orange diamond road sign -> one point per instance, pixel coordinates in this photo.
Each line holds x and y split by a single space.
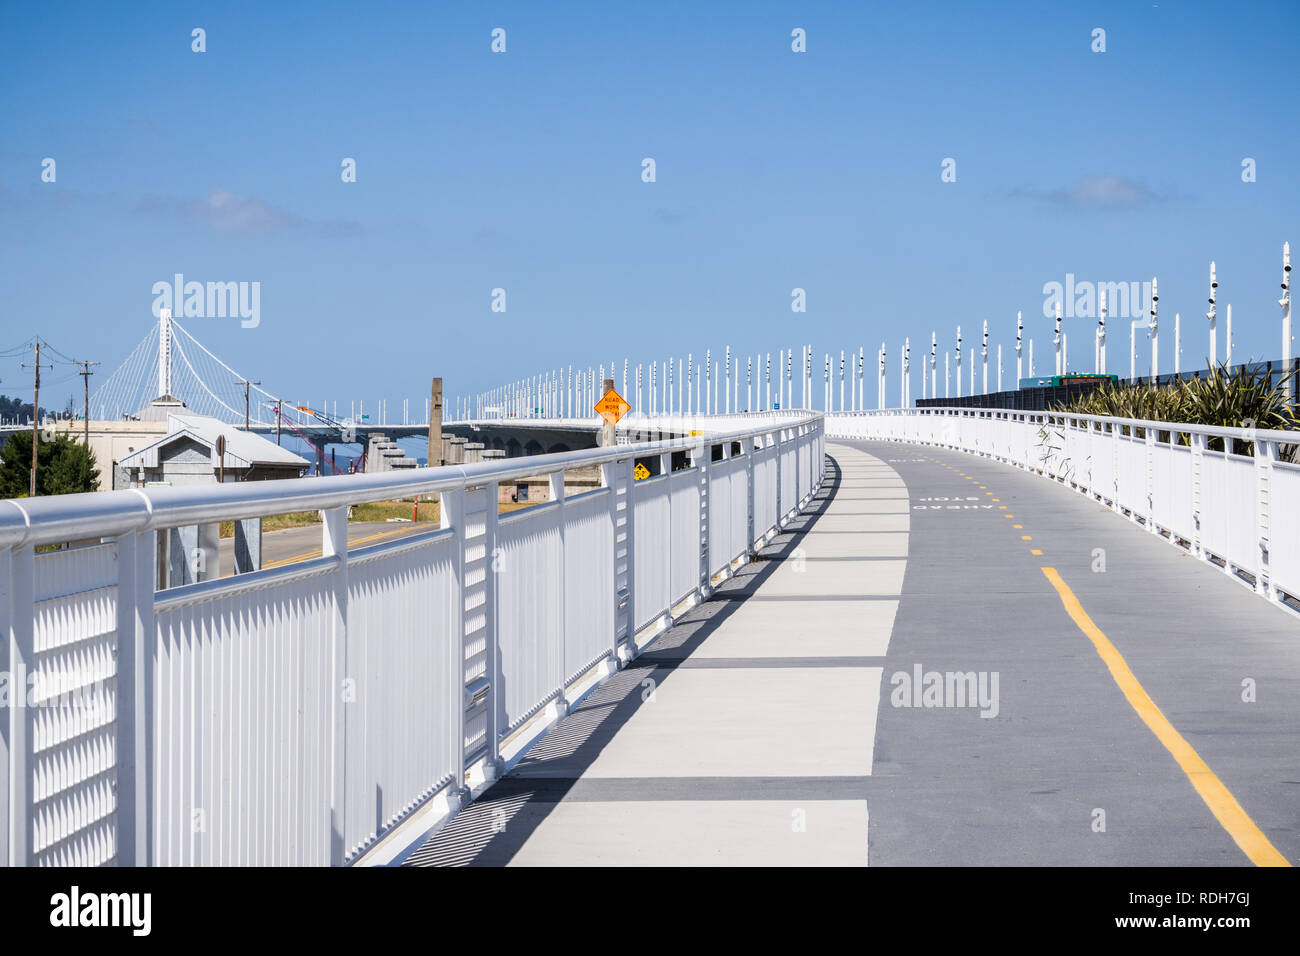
612 407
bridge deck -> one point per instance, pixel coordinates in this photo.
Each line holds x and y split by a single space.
777 713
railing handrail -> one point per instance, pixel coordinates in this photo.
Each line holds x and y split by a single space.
58 518
1212 431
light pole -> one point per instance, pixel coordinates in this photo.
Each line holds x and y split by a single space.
862 378
1020 359
1100 364
907 371
1155 334
841 380
1285 303
880 381
690 377
728 379
1056 338
1212 315
984 360
934 355
959 361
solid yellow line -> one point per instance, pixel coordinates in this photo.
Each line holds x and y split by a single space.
1217 797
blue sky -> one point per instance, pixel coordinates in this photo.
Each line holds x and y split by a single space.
775 170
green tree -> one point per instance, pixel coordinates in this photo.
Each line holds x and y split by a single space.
63 466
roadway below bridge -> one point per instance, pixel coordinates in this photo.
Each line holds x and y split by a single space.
943 661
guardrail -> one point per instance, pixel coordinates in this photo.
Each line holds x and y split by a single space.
1226 495
340 707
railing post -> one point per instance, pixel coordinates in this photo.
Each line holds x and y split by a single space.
20 637
666 468
555 484
776 459
1265 456
6 751
1150 479
1198 459
496 700
334 542
1115 433
136 643
616 476
706 506
751 531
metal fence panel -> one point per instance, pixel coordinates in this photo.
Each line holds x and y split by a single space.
588 581
242 713
1284 527
652 543
71 707
684 497
400 634
530 609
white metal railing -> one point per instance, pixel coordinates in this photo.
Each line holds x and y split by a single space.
1192 484
307 714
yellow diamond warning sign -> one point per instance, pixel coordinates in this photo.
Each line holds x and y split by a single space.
640 472
612 407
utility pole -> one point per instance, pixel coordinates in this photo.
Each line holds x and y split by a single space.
246 385
36 414
85 374
279 418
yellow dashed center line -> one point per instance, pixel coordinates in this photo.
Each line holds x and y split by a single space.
1025 537
306 555
1035 551
1230 814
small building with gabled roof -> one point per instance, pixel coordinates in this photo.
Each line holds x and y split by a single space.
189 454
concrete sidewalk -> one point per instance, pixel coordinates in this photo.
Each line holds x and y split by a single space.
744 735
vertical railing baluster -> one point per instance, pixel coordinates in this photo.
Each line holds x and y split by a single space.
136 642
334 542
1265 456
706 508
555 481
1198 462
495 704
20 636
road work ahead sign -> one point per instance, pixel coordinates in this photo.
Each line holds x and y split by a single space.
612 407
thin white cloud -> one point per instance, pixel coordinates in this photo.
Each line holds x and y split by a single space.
1096 192
231 214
